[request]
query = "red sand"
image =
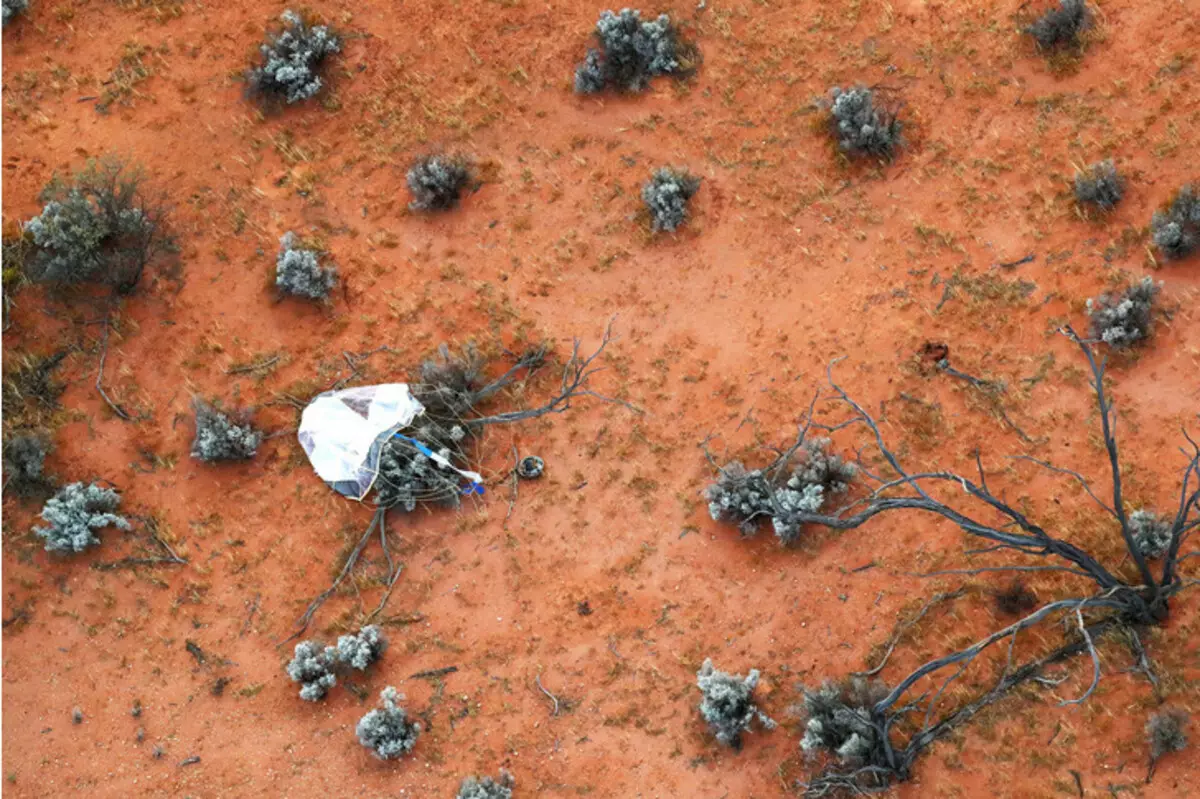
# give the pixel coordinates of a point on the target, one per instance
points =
(791, 260)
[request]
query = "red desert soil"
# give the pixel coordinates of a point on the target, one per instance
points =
(792, 259)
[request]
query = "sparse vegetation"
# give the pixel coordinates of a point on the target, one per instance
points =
(487, 788)
(748, 498)
(221, 438)
(292, 60)
(298, 270)
(666, 196)
(840, 725)
(728, 703)
(1122, 320)
(437, 182)
(1062, 26)
(12, 8)
(313, 666)
(99, 228)
(1176, 228)
(1099, 186)
(24, 464)
(862, 125)
(75, 513)
(1165, 732)
(387, 730)
(631, 53)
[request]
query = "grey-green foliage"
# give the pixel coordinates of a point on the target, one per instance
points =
(1151, 533)
(298, 271)
(96, 229)
(1062, 25)
(631, 53)
(220, 438)
(75, 513)
(1165, 730)
(387, 730)
(839, 720)
(24, 463)
(666, 196)
(748, 498)
(1100, 185)
(1176, 229)
(861, 125)
(14, 7)
(407, 476)
(313, 667)
(487, 788)
(360, 650)
(728, 703)
(437, 182)
(291, 60)
(1122, 320)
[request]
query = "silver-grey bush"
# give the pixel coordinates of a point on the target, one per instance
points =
(1100, 186)
(1165, 730)
(1176, 229)
(24, 463)
(666, 196)
(362, 649)
(487, 788)
(437, 182)
(298, 271)
(1151, 533)
(13, 7)
(313, 667)
(75, 513)
(292, 59)
(839, 720)
(631, 53)
(1122, 320)
(1062, 25)
(728, 703)
(220, 438)
(387, 730)
(862, 126)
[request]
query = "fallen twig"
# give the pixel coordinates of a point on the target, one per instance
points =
(538, 679)
(442, 672)
(117, 409)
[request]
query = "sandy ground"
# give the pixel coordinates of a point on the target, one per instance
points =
(792, 259)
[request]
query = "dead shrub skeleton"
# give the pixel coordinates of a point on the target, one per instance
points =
(451, 392)
(1116, 603)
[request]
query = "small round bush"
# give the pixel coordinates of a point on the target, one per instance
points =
(631, 53)
(313, 666)
(487, 788)
(96, 229)
(1061, 26)
(292, 59)
(75, 513)
(1151, 533)
(387, 731)
(24, 464)
(1124, 319)
(1100, 186)
(220, 438)
(437, 182)
(361, 650)
(1176, 228)
(298, 271)
(1165, 730)
(839, 721)
(861, 126)
(728, 703)
(12, 8)
(666, 196)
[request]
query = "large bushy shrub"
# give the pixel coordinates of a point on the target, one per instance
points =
(96, 229)
(748, 498)
(1061, 26)
(666, 196)
(631, 53)
(13, 7)
(221, 438)
(861, 125)
(1122, 320)
(24, 463)
(75, 513)
(728, 703)
(387, 730)
(487, 788)
(1176, 228)
(839, 721)
(298, 271)
(1100, 186)
(291, 61)
(313, 666)
(437, 182)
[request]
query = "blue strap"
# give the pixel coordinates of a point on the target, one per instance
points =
(470, 488)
